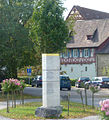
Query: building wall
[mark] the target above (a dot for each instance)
(81, 65)
(77, 70)
(102, 64)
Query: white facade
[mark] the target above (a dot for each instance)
(77, 70)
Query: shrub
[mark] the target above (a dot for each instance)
(94, 89)
(73, 82)
(105, 109)
(12, 85)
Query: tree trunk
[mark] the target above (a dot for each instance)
(22, 97)
(7, 102)
(92, 100)
(82, 101)
(85, 96)
(68, 103)
(14, 99)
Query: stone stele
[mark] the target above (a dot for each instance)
(50, 87)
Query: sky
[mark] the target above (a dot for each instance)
(101, 5)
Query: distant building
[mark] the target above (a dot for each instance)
(81, 13)
(87, 53)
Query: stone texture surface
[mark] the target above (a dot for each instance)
(48, 112)
(50, 86)
(51, 80)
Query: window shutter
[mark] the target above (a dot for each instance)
(68, 52)
(89, 52)
(82, 52)
(78, 53)
(72, 52)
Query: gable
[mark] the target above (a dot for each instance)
(87, 14)
(76, 14)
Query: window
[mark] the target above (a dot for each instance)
(71, 69)
(71, 36)
(89, 37)
(86, 53)
(75, 53)
(85, 68)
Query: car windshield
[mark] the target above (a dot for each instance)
(64, 78)
(105, 79)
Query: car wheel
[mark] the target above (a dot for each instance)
(60, 88)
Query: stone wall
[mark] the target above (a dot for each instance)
(102, 64)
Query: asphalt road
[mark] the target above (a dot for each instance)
(74, 96)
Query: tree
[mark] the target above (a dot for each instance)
(94, 89)
(14, 40)
(49, 31)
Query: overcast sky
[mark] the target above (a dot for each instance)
(101, 5)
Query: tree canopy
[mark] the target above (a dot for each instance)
(14, 40)
(49, 31)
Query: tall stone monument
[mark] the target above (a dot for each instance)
(50, 87)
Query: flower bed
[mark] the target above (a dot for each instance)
(104, 109)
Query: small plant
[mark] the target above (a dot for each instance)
(68, 102)
(104, 109)
(11, 86)
(94, 89)
(85, 86)
(80, 93)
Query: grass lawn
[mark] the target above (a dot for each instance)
(3, 97)
(27, 112)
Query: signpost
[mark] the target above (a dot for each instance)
(29, 73)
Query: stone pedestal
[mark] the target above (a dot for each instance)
(49, 111)
(51, 86)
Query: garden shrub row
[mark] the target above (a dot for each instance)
(73, 81)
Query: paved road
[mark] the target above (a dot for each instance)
(74, 97)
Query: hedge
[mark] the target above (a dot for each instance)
(73, 81)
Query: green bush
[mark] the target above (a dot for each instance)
(73, 81)
(26, 79)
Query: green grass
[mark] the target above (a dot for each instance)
(3, 97)
(27, 112)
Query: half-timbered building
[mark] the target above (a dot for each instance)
(85, 52)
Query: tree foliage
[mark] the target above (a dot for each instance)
(49, 31)
(14, 40)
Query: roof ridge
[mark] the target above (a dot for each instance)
(90, 9)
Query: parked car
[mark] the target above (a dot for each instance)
(103, 82)
(34, 81)
(82, 81)
(65, 82)
(37, 81)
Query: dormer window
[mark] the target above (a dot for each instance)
(89, 37)
(71, 36)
